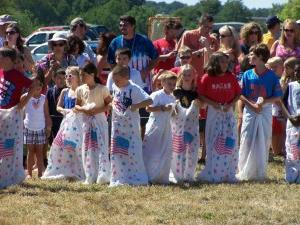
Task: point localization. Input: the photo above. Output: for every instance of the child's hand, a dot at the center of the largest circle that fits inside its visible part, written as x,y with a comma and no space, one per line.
167,107
197,102
48,132
295,120
257,108
133,107
90,112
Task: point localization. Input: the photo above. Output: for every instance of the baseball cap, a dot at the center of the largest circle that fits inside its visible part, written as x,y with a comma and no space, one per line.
76,21
272,20
5,19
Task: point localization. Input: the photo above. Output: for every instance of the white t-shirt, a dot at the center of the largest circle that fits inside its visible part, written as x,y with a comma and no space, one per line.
160,97
126,96
135,77
34,114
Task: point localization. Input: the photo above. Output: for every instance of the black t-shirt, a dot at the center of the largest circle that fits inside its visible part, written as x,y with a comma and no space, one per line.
185,96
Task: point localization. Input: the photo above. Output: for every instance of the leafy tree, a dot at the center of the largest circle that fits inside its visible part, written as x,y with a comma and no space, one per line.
234,10
141,14
291,10
210,6
189,15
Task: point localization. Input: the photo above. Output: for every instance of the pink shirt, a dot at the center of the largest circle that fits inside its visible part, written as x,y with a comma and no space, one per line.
284,53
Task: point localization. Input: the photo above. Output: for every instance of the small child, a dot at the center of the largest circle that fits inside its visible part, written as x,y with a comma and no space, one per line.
37,125
278,119
127,165
123,56
65,160
93,100
157,146
288,72
261,88
291,109
12,86
184,57
185,131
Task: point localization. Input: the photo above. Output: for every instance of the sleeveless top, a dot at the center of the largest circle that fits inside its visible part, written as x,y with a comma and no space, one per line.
69,102
283,53
34,114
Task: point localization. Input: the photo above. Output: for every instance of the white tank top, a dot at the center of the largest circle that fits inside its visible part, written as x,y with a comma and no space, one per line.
34,114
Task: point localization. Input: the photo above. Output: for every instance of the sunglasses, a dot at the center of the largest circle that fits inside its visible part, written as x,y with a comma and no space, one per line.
81,25
11,32
224,36
185,57
58,44
68,76
254,32
288,30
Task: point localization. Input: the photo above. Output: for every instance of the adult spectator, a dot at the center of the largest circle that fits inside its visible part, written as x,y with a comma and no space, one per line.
57,58
165,47
251,34
76,48
200,42
288,44
14,40
273,25
78,28
144,55
229,44
4,21
102,65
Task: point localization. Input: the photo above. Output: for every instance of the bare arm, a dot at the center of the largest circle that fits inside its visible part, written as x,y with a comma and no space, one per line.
160,108
60,104
48,120
142,104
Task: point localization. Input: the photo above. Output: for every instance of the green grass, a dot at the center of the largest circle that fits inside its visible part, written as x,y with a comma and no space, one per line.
62,202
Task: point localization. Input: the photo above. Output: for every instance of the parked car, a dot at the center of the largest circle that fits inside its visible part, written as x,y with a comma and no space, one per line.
43,34
40,51
98,28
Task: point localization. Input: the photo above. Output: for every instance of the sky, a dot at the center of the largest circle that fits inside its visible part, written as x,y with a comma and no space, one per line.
249,3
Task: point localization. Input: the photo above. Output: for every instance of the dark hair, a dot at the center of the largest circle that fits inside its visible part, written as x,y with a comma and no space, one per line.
261,51
8,52
213,67
19,41
206,18
245,64
104,41
40,76
123,51
72,42
61,71
272,25
178,25
90,68
129,19
170,24
121,70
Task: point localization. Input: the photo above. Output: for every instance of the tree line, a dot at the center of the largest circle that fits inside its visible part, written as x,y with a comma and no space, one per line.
32,14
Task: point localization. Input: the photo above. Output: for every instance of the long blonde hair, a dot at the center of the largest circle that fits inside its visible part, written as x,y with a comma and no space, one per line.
186,69
282,39
234,40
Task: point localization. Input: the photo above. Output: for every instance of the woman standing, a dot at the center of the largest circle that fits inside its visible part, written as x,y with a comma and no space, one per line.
15,41
289,43
251,34
220,90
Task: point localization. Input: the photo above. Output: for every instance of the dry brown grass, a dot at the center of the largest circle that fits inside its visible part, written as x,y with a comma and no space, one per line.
61,202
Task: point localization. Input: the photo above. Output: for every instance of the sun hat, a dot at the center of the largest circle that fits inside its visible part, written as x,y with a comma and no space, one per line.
6,19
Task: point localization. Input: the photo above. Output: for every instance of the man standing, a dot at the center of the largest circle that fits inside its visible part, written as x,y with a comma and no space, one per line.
4,21
201,43
273,25
166,47
144,55
78,28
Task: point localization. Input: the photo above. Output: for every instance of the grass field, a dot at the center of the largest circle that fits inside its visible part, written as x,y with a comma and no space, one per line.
60,202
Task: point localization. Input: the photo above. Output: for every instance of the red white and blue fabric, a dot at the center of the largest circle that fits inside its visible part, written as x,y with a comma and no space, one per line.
221,149
11,147
65,156
95,157
185,139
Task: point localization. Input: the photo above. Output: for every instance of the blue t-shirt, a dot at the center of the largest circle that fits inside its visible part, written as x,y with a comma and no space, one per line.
265,85
142,51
